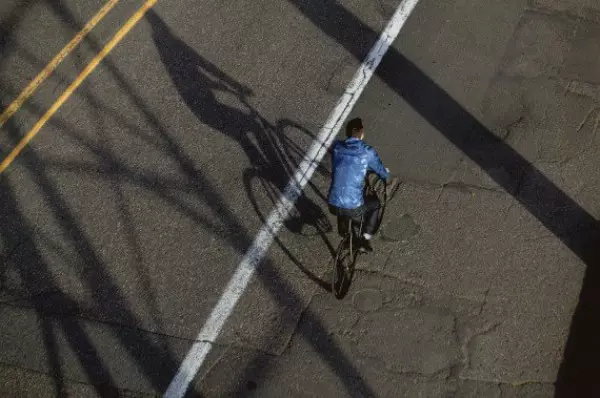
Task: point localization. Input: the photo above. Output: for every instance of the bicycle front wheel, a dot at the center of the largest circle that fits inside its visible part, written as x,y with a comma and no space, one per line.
342,268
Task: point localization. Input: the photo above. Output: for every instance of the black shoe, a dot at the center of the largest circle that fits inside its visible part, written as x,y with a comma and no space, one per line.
364,246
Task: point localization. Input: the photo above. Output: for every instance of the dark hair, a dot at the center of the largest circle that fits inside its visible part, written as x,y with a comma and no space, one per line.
354,127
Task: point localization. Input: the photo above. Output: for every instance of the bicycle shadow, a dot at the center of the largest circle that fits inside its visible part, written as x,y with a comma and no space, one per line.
268,161
273,156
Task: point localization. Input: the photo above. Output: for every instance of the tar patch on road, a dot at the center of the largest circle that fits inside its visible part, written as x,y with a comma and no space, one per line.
400,229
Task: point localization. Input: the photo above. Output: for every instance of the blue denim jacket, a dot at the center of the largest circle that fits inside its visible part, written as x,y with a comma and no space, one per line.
351,159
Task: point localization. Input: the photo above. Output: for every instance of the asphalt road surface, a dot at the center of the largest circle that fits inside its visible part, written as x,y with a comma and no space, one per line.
124,218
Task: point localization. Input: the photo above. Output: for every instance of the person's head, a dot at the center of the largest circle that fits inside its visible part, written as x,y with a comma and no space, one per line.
355,129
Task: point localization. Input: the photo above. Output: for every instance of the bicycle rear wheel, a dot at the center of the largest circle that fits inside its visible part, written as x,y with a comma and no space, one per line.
343,268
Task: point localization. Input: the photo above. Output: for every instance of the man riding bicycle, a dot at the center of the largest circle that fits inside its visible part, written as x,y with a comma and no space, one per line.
352,158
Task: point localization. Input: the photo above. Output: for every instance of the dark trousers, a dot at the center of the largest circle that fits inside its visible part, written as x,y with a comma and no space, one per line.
369,211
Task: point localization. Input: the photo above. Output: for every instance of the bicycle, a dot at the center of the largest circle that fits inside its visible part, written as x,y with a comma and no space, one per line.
347,251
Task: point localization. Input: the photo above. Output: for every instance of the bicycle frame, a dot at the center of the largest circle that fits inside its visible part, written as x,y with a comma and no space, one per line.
343,272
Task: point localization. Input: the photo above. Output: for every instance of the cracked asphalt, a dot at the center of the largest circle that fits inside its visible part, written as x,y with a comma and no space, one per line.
123,220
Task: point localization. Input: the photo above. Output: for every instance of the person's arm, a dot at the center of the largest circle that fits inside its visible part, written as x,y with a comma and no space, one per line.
376,164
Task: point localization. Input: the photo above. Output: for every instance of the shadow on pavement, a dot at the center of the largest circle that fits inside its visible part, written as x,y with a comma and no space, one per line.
9,24
43,294
568,221
57,310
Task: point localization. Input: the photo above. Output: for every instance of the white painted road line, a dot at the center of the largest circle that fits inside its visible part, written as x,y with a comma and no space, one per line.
236,286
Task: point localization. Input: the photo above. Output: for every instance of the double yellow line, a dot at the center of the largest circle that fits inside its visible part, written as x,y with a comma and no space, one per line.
47,71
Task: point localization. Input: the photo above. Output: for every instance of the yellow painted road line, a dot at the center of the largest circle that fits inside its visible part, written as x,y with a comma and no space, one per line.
135,18
47,71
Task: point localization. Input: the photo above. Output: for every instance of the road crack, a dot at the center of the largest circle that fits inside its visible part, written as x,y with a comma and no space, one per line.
486,329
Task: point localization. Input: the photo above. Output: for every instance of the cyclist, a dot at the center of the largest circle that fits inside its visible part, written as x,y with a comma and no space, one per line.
352,158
